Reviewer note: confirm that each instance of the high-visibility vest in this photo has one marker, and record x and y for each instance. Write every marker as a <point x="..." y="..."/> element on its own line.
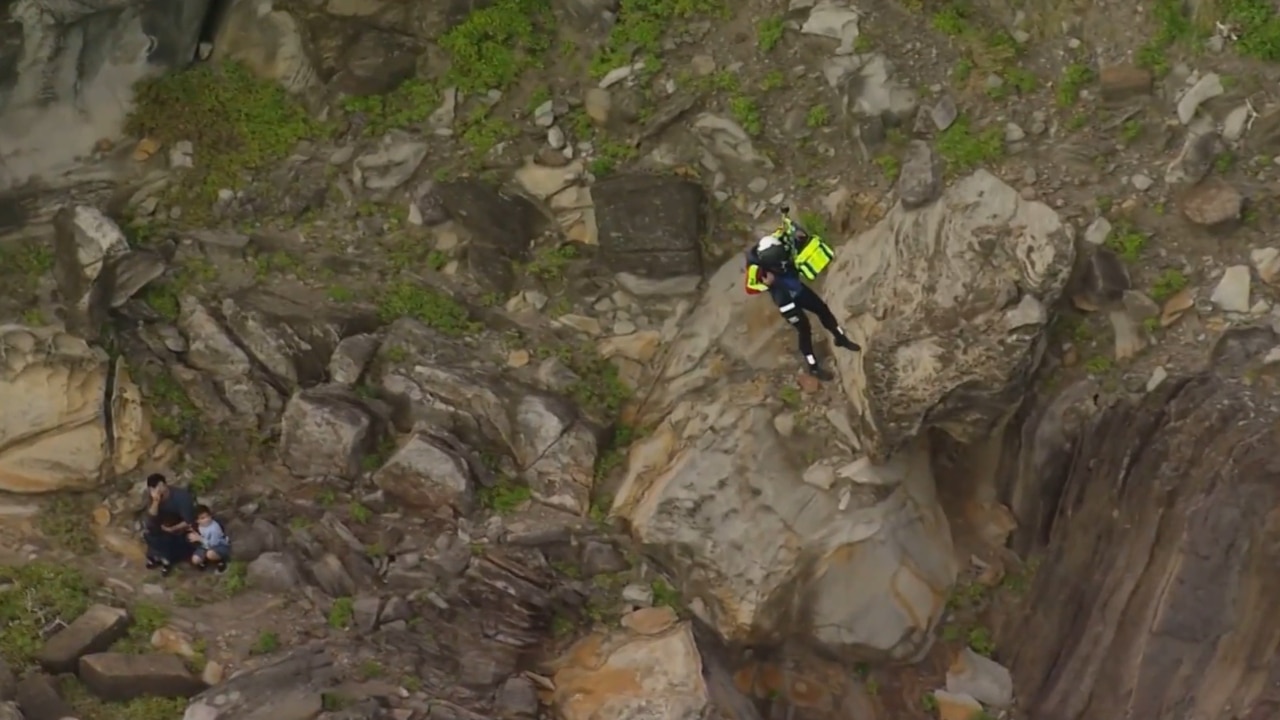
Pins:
<point x="753" y="284"/>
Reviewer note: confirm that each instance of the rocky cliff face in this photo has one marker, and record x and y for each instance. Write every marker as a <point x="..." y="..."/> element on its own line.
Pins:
<point x="67" y="71"/>
<point x="1159" y="562"/>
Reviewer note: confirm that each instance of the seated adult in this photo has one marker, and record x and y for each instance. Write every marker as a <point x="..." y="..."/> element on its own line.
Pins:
<point x="171" y="517"/>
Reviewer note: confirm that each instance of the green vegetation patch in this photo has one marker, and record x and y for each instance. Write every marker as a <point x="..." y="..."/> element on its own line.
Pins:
<point x="88" y="707"/>
<point x="431" y="307"/>
<point x="640" y="28"/>
<point x="237" y="121"/>
<point x="495" y="45"/>
<point x="33" y="596"/>
<point x="964" y="148"/>
<point x="1257" y="24"/>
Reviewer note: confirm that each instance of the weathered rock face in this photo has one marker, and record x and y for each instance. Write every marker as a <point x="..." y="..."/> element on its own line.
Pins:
<point x="949" y="303"/>
<point x="1160" y="563"/>
<point x="546" y="440"/>
<point x="651" y="670"/>
<point x="859" y="558"/>
<point x="68" y="422"/>
<point x="65" y="67"/>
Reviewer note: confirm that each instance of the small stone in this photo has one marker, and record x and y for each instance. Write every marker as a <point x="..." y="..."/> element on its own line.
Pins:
<point x="518" y="358"/>
<point x="1234" y="125"/>
<point x="1013" y="133"/>
<point x="544" y="116"/>
<point x="920" y="177"/>
<point x="1158" y="376"/>
<point x="1212" y="202"/>
<point x="641" y="595"/>
<point x="956" y="707"/>
<point x="702" y="65"/>
<point x="1194" y="160"/>
<point x="758" y="185"/>
<point x="983" y="679"/>
<point x="1267" y="262"/>
<point x="597" y="103"/>
<point x="181" y="155"/>
<point x="1142" y="182"/>
<point x="555" y="137"/>
<point x="1232" y="292"/>
<point x="1122" y="82"/>
<point x="615" y="76"/>
<point x="1098" y="231"/>
<point x="1206" y="88"/>
<point x="944" y="113"/>
<point x="145" y="148"/>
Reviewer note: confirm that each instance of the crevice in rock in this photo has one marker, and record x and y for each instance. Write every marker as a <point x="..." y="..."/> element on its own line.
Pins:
<point x="213" y="16"/>
<point x="108" y="409"/>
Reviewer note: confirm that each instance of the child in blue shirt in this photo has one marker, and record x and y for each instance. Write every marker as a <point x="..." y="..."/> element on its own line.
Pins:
<point x="212" y="543"/>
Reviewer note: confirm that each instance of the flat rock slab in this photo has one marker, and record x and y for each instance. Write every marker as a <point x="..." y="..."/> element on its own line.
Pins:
<point x="39" y="699"/>
<point x="93" y="632"/>
<point x="120" y="677"/>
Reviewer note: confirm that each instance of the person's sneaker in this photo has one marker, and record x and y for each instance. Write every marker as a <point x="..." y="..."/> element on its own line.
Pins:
<point x="844" y="342"/>
<point x="166" y="569"/>
<point x="222" y="567"/>
<point x="152" y="563"/>
<point x="818" y="372"/>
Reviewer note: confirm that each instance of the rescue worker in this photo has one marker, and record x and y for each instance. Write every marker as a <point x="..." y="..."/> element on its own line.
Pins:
<point x="772" y="267"/>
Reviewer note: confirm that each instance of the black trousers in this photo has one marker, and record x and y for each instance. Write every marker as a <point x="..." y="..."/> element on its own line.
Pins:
<point x="167" y="547"/>
<point x="796" y="313"/>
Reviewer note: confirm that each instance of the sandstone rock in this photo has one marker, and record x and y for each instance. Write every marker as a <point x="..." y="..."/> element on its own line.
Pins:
<point x="92" y="632"/>
<point x="10" y="711"/>
<point x="551" y="446"/>
<point x="1162" y="560"/>
<point x="287" y="689"/>
<point x="1124" y="81"/>
<point x="292" y="341"/>
<point x="927" y="307"/>
<point x="920" y="179"/>
<point x="952" y="706"/>
<point x="556" y="450"/>
<point x="54" y="433"/>
<point x="325" y="431"/>
<point x="119" y="677"/>
<point x="633" y="677"/>
<point x="428" y="472"/>
<point x="1212" y="202"/>
<point x="1232" y="291"/>
<point x="983" y="679"/>
<point x="1267" y="262"/>
<point x="1206" y="88"/>
<point x="274" y="572"/>
<point x="351" y="357"/>
<point x="651" y="225"/>
<point x="268" y="41"/>
<point x="85" y="241"/>
<point x="886" y="564"/>
<point x="38" y="697"/>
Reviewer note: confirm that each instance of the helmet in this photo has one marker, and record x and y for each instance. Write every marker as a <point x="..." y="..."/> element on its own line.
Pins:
<point x="772" y="253"/>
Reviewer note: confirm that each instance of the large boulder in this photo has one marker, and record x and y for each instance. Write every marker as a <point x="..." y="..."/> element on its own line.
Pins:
<point x="546" y="441"/>
<point x="651" y="225"/>
<point x="501" y="226"/>
<point x="71" y="419"/>
<point x="859" y="562"/>
<point x="949" y="303"/>
<point x="69" y="81"/>
<point x="650" y="669"/>
<point x="94" y="267"/>
<point x="1160" y="560"/>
